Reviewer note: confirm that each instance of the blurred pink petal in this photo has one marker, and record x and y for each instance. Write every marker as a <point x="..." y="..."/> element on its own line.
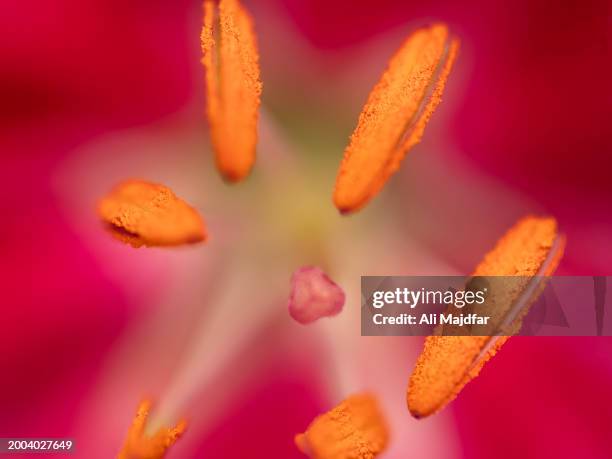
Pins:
<point x="540" y="397"/>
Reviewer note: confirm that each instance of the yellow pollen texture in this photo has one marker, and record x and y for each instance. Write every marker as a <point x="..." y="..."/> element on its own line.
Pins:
<point x="448" y="363"/>
<point x="233" y="86"/>
<point x="395" y="114"/>
<point x="140" y="446"/>
<point x="355" y="429"/>
<point x="143" y="213"/>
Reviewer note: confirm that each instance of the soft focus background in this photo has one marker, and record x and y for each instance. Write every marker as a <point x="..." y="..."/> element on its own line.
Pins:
<point x="92" y="92"/>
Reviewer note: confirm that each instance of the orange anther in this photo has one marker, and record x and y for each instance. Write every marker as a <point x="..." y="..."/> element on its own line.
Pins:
<point x="394" y="117"/>
<point x="143" y="213"/>
<point x="233" y="86"/>
<point x="138" y="445"/>
<point x="355" y="429"/>
<point x="531" y="247"/>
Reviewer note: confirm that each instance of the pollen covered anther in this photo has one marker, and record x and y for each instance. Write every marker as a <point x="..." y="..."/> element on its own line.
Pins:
<point x="530" y="250"/>
<point x="395" y="114"/>
<point x="139" y="445"/>
<point x="144" y="213"/>
<point x="355" y="429"/>
<point x="233" y="85"/>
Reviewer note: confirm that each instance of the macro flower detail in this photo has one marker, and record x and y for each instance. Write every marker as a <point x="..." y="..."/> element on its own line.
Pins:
<point x="314" y="295"/>
<point x="532" y="247"/>
<point x="138" y="445"/>
<point x="355" y="429"/>
<point x="142" y="213"/>
<point x="395" y="114"/>
<point x="96" y="92"/>
<point x="233" y="86"/>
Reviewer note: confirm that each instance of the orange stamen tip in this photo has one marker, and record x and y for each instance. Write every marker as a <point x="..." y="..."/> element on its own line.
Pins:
<point x="138" y="445"/>
<point x="395" y="115"/>
<point x="354" y="429"/>
<point x="233" y="86"/>
<point x="143" y="213"/>
<point x="532" y="247"/>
